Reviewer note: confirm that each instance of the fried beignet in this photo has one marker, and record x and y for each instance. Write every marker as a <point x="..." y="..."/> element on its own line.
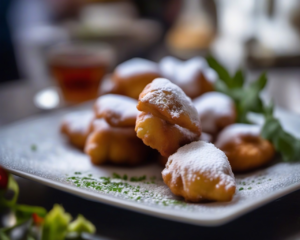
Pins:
<point x="117" y="110"/>
<point x="76" y="127"/>
<point x="199" y="171"/>
<point x="118" y="145"/>
<point x="194" y="76"/>
<point x="158" y="134"/>
<point x="167" y="101"/>
<point x="132" y="76"/>
<point x="216" y="111"/>
<point x="244" y="147"/>
<point x="204" y="137"/>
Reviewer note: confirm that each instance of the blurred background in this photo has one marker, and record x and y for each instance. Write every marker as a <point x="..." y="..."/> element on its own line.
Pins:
<point x="43" y="42"/>
<point x="38" y="37"/>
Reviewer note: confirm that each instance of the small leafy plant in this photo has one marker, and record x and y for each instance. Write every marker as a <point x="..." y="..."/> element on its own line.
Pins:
<point x="247" y="99"/>
<point x="54" y="225"/>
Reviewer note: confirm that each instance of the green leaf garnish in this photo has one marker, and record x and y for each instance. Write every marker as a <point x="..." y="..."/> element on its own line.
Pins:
<point x="116" y="175"/>
<point x="247" y="99"/>
<point x="222" y="72"/>
<point x="238" y="79"/>
<point x="81" y="225"/>
<point x="286" y="144"/>
<point x="56" y="224"/>
<point x="33" y="147"/>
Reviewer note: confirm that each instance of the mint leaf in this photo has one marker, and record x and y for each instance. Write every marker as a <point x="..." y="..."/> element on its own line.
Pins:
<point x="284" y="143"/>
<point x="247" y="99"/>
<point x="269" y="110"/>
<point x="270" y="129"/>
<point x="260" y="83"/>
<point x="238" y="79"/>
<point x="221" y="71"/>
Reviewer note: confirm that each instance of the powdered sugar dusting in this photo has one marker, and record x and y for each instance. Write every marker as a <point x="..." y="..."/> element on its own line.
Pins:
<point x="187" y="133"/>
<point x="210" y="75"/>
<point x="200" y="158"/>
<point x="212" y="106"/>
<point x="206" y="137"/>
<point x="158" y="97"/>
<point x="168" y="66"/>
<point x="78" y="121"/>
<point x="187" y="71"/>
<point x="124" y="107"/>
<point x="136" y="66"/>
<point x="232" y="131"/>
<point x="184" y="74"/>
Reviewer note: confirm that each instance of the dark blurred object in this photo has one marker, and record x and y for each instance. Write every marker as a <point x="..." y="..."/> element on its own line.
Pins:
<point x="163" y="11"/>
<point x="261" y="57"/>
<point x="79" y="69"/>
<point x="276" y="42"/>
<point x="116" y="23"/>
<point x="9" y="70"/>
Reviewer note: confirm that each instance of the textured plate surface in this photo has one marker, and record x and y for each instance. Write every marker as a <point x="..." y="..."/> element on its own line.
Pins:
<point x="35" y="149"/>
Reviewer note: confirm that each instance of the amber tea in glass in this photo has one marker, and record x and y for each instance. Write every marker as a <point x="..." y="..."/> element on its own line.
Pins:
<point x="78" y="71"/>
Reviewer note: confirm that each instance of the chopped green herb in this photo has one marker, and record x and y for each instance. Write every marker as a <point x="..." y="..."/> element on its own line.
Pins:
<point x="241" y="189"/>
<point x="118" y="185"/>
<point x="138" y="179"/>
<point x="249" y="188"/>
<point x="105" y="178"/>
<point x="33" y="147"/>
<point x="77" y="173"/>
<point x="152" y="178"/>
<point x="115" y="175"/>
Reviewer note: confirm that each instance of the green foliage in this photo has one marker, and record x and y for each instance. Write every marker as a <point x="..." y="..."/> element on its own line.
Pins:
<point x="81" y="225"/>
<point x="24" y="212"/>
<point x="247" y="99"/>
<point x="286" y="144"/>
<point x="56" y="224"/>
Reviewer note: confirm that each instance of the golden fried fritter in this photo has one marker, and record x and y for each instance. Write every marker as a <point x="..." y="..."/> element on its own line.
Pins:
<point x="117" y="110"/>
<point x="216" y="111"/>
<point x="194" y="76"/>
<point x="160" y="135"/>
<point x="199" y="171"/>
<point x="167" y="101"/>
<point x="76" y="126"/>
<point x="244" y="147"/>
<point x="132" y="76"/>
<point x="118" y="145"/>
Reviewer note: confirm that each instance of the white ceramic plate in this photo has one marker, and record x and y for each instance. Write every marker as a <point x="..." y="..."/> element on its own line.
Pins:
<point x="35" y="149"/>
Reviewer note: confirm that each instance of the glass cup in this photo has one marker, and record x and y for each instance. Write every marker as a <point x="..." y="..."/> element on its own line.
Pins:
<point x="79" y="69"/>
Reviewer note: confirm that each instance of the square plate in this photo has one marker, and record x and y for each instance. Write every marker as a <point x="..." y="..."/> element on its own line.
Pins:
<point x="35" y="149"/>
